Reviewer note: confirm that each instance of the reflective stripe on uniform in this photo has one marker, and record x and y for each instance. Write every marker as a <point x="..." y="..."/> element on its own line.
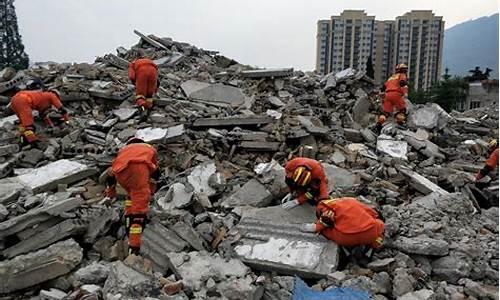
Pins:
<point x="297" y="174"/>
<point x="306" y="180"/>
<point x="309" y="195"/>
<point x="128" y="203"/>
<point x="135" y="229"/>
<point x="140" y="97"/>
<point x="379" y="240"/>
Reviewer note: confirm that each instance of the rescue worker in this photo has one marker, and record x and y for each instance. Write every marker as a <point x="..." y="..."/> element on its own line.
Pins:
<point x="24" y="102"/>
<point x="491" y="163"/>
<point x="306" y="179"/>
<point x="349" y="223"/>
<point x="136" y="169"/>
<point x="396" y="90"/>
<point x="143" y="73"/>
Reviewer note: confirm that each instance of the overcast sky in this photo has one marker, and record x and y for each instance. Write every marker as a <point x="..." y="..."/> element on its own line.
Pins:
<point x="266" y="33"/>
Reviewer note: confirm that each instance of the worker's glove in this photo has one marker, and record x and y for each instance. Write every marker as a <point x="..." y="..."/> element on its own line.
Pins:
<point x="111" y="192"/>
<point x="290" y="204"/>
<point x="401" y="118"/>
<point x="308" y="227"/>
<point x="287" y="198"/>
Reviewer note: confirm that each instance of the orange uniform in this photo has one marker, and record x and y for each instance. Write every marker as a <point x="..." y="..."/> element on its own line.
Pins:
<point x="133" y="168"/>
<point x="319" y="182"/>
<point x="490" y="164"/>
<point x="144" y="74"/>
<point x="354" y="223"/>
<point x="24" y="102"/>
<point x="395" y="89"/>
<point x="492" y="161"/>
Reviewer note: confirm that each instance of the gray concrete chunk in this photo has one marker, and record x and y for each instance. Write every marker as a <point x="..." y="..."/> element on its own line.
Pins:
<point x="191" y="236"/>
<point x="31" y="269"/>
<point x="8" y="149"/>
<point x="387" y="145"/>
<point x="421" y="246"/>
<point x="272" y="241"/>
<point x="198" y="265"/>
<point x="124" y="114"/>
<point x="420" y="183"/>
<point x="128" y="282"/>
<point x="55" y="233"/>
<point x="278" y="72"/>
<point x="253" y="193"/>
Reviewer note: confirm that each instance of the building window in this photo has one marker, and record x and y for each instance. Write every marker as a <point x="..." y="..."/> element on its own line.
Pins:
<point x="475" y="104"/>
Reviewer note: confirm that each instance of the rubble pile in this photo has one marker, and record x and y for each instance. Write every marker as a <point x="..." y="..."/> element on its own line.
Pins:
<point x="216" y="230"/>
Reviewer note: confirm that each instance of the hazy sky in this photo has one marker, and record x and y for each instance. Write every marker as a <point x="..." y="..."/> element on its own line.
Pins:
<point x="266" y="33"/>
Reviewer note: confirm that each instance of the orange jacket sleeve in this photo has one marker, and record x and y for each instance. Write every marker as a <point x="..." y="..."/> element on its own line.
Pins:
<point x="492" y="161"/>
<point x="131" y="71"/>
<point x="54" y="100"/>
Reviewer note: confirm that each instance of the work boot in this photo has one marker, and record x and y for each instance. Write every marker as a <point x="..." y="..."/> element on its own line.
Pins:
<point x="143" y="114"/>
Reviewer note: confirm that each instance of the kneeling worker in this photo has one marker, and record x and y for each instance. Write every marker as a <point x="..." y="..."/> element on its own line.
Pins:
<point x="348" y="222"/>
<point x="136" y="169"/>
<point x="491" y="163"/>
<point x="306" y="178"/>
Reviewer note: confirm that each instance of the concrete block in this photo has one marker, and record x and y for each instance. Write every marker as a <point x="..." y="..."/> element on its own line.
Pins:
<point x="100" y="219"/>
<point x="56" y="233"/>
<point x="215" y="93"/>
<point x="124" y="114"/>
<point x="353" y="135"/>
<point x="424" y="117"/>
<point x="158" y="240"/>
<point x="253" y="193"/>
<point x="272" y="241"/>
<point x="199" y="178"/>
<point x="38" y="215"/>
<point x="8" y="85"/>
<point x="343" y="75"/>
<point x="193" y="267"/>
<point x="94" y="273"/>
<point x="52" y="294"/>
<point x="151" y="41"/>
<point x="176" y="197"/>
<point x="116" y="61"/>
<point x="8" y="120"/>
<point x="278" y="72"/>
<point x="130" y="283"/>
<point x="51" y="175"/>
<point x="391" y="147"/>
<point x="31" y="269"/>
<point x="418" y="295"/>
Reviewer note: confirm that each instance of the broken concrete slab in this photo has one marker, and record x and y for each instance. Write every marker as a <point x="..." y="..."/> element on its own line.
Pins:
<point x="193" y="267"/>
<point x="420" y="183"/>
<point x="421" y="246"/>
<point x="56" y="233"/>
<point x="339" y="178"/>
<point x="129" y="283"/>
<point x="191" y="236"/>
<point x="259" y="146"/>
<point x="151" y="41"/>
<point x="424" y="117"/>
<point x="253" y="193"/>
<point x="216" y="93"/>
<point x="277" y="72"/>
<point x="8" y="120"/>
<point x="157" y="240"/>
<point x="272" y="241"/>
<point x="31" y="269"/>
<point x="38" y="215"/>
<point x="176" y="197"/>
<point x="391" y="147"/>
<point x="8" y="85"/>
<point x="344" y="75"/>
<point x="124" y="114"/>
<point x="161" y="135"/>
<point x="233" y="121"/>
<point x="51" y="175"/>
<point x="52" y="294"/>
<point x="116" y="61"/>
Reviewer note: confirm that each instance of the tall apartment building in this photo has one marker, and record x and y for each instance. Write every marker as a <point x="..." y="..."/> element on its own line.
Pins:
<point x="344" y="41"/>
<point x="418" y="42"/>
<point x="416" y="38"/>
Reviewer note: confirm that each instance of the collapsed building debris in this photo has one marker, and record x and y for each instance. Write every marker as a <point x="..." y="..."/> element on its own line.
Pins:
<point x="224" y="132"/>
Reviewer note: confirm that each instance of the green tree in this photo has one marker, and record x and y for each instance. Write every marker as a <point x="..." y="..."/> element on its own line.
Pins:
<point x="449" y="92"/>
<point x="12" y="49"/>
<point x="417" y="96"/>
<point x="370" y="72"/>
